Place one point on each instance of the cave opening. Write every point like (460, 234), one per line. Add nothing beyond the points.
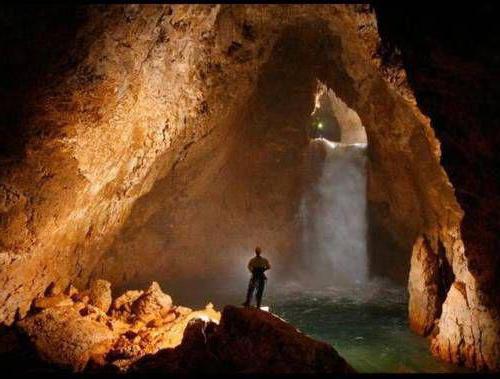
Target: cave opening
(333, 215)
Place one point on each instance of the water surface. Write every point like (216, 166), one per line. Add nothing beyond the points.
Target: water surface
(367, 325)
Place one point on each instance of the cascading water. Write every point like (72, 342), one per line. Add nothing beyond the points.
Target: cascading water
(334, 219)
(333, 210)
(324, 288)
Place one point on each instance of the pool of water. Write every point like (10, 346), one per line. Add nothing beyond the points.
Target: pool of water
(367, 325)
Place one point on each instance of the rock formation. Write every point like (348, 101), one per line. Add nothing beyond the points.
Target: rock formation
(145, 332)
(100, 294)
(454, 77)
(247, 341)
(424, 305)
(73, 333)
(143, 121)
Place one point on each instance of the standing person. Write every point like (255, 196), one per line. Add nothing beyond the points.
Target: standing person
(257, 266)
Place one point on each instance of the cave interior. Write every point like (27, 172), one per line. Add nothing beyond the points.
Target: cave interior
(163, 143)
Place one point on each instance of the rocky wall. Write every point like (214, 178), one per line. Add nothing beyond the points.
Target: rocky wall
(454, 73)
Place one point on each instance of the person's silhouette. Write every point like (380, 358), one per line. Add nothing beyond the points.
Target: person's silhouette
(257, 266)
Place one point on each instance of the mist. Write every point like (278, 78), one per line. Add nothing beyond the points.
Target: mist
(333, 217)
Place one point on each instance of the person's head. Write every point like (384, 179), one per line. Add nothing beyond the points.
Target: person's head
(257, 251)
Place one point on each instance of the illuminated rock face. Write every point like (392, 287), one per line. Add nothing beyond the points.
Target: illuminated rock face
(160, 116)
(77, 335)
(424, 306)
(170, 339)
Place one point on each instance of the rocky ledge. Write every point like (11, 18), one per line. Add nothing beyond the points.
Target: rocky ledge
(142, 331)
(247, 340)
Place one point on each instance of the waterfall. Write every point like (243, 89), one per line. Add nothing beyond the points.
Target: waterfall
(333, 214)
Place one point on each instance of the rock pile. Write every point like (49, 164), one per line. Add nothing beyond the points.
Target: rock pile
(88, 329)
(142, 331)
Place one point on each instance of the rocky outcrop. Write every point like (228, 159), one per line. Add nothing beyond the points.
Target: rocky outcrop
(64, 337)
(424, 304)
(152, 302)
(171, 339)
(248, 341)
(455, 81)
(100, 294)
(448, 307)
(467, 333)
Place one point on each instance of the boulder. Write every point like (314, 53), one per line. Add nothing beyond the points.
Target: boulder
(152, 302)
(100, 294)
(247, 340)
(61, 335)
(123, 303)
(59, 300)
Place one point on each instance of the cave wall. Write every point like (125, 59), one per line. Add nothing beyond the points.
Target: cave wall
(403, 208)
(237, 188)
(94, 136)
(146, 89)
(453, 69)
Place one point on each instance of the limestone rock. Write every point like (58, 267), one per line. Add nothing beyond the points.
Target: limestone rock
(182, 311)
(124, 301)
(60, 300)
(82, 296)
(53, 289)
(71, 291)
(467, 335)
(246, 341)
(423, 307)
(100, 294)
(62, 336)
(177, 339)
(151, 302)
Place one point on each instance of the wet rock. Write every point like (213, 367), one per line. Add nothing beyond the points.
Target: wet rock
(151, 302)
(100, 294)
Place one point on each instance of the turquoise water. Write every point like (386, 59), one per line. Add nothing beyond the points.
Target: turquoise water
(367, 325)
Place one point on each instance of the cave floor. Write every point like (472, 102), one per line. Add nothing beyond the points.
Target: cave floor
(367, 325)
